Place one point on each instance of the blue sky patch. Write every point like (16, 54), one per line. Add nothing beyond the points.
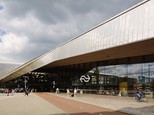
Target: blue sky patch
(2, 32)
(1, 7)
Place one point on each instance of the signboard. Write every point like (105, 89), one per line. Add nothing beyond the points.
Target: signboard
(85, 78)
(123, 86)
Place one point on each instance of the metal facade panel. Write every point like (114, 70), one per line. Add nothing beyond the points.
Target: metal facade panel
(133, 25)
(129, 27)
(126, 28)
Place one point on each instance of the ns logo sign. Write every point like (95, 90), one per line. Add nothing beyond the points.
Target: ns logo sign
(85, 78)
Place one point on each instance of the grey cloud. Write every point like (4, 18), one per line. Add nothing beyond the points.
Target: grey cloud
(58, 20)
(110, 7)
(51, 11)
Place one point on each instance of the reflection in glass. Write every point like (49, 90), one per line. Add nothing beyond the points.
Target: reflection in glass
(131, 76)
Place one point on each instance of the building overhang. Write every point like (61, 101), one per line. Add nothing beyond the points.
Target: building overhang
(141, 48)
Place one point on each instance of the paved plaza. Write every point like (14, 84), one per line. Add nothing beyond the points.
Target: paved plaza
(19, 104)
(123, 104)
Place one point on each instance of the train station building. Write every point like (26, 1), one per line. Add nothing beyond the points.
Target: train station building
(115, 56)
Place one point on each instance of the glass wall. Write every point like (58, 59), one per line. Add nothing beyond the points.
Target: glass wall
(125, 79)
(143, 73)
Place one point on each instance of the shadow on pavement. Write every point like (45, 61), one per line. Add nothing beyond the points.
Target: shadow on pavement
(147, 110)
(97, 113)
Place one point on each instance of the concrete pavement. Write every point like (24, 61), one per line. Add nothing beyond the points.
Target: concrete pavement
(123, 104)
(19, 104)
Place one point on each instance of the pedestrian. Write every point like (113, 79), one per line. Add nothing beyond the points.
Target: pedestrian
(75, 91)
(68, 92)
(138, 96)
(26, 91)
(57, 90)
(12, 92)
(7, 91)
(119, 93)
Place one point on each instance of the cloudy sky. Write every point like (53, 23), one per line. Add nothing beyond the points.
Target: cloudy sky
(29, 28)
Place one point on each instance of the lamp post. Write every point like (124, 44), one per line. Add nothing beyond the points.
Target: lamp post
(25, 82)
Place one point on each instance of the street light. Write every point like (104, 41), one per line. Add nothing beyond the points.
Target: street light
(25, 82)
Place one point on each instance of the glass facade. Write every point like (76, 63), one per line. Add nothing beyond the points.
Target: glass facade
(143, 73)
(131, 77)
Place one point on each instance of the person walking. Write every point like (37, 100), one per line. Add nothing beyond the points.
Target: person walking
(26, 91)
(68, 92)
(12, 92)
(7, 91)
(57, 90)
(75, 91)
